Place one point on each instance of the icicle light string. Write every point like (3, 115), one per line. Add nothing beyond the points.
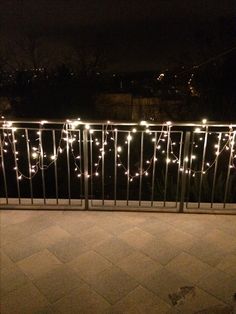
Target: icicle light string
(69, 126)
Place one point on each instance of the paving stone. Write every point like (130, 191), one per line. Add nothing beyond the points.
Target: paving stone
(138, 265)
(68, 249)
(82, 300)
(11, 278)
(114, 249)
(89, 264)
(140, 300)
(57, 283)
(26, 299)
(113, 284)
(188, 267)
(38, 264)
(136, 237)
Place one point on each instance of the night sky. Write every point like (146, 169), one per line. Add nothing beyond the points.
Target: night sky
(136, 35)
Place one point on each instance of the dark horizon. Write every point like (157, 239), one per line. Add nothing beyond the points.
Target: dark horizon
(136, 36)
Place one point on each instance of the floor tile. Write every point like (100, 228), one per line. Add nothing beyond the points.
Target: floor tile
(5, 261)
(222, 240)
(11, 278)
(178, 238)
(161, 251)
(140, 300)
(228, 264)
(89, 264)
(94, 236)
(51, 235)
(38, 264)
(82, 300)
(57, 283)
(155, 227)
(23, 248)
(197, 301)
(23, 229)
(219, 284)
(113, 284)
(136, 237)
(138, 265)
(114, 249)
(164, 283)
(206, 252)
(68, 249)
(25, 300)
(188, 267)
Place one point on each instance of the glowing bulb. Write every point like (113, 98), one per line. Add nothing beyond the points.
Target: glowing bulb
(34, 155)
(53, 157)
(119, 149)
(87, 126)
(129, 137)
(143, 123)
(134, 130)
(43, 122)
(197, 130)
(204, 121)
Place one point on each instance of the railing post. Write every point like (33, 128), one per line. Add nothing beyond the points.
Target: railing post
(85, 152)
(184, 171)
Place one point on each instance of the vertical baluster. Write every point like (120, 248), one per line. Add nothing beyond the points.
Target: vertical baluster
(68, 163)
(179, 165)
(141, 169)
(16, 167)
(232, 135)
(3, 170)
(167, 165)
(115, 167)
(128, 169)
(55, 153)
(42, 165)
(153, 169)
(103, 171)
(202, 167)
(29, 165)
(215, 170)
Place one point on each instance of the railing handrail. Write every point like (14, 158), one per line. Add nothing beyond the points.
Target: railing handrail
(122, 123)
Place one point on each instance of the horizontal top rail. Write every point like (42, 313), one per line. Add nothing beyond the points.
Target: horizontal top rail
(42, 122)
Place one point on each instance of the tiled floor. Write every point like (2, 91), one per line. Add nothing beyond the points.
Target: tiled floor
(114, 262)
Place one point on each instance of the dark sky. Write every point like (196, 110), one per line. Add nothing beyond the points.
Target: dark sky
(137, 34)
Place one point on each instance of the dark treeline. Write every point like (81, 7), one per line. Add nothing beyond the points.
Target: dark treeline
(41, 79)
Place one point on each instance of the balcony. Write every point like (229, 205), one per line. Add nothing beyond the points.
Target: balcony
(176, 167)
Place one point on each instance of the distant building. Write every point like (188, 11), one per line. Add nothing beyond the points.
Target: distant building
(126, 106)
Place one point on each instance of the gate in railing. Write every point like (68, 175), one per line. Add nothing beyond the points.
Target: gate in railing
(145, 166)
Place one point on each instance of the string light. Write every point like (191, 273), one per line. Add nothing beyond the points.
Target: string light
(70, 139)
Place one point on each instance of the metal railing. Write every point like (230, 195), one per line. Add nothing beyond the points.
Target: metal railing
(107, 165)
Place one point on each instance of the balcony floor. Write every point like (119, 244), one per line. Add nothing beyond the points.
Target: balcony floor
(117, 262)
